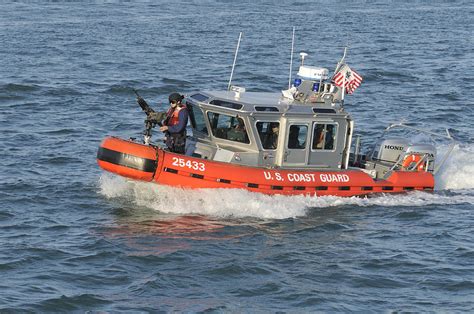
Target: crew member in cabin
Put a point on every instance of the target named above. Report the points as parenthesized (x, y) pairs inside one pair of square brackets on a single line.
[(293, 140), (271, 141), (174, 125), (318, 139), (274, 137), (237, 132)]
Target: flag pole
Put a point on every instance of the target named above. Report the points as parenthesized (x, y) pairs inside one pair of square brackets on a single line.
[(343, 86), (340, 62)]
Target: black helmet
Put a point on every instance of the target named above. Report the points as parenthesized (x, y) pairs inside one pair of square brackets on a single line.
[(175, 97)]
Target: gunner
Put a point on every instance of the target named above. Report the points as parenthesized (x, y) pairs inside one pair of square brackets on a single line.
[(174, 125)]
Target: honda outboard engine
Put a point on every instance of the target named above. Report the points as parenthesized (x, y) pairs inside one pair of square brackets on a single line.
[(392, 150)]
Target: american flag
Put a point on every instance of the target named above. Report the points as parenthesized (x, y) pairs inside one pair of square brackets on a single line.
[(353, 79)]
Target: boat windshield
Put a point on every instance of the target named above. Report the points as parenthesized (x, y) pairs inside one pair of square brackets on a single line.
[(197, 118)]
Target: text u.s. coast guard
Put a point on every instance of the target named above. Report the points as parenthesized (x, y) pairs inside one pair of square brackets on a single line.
[(306, 177)]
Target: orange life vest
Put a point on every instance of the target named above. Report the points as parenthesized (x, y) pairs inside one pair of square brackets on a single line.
[(174, 118)]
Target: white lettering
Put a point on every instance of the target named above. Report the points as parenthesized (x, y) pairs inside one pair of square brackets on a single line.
[(268, 175), (331, 177), (278, 176), (180, 162), (300, 177), (306, 177)]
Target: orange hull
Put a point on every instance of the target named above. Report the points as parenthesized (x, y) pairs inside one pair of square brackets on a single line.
[(149, 163)]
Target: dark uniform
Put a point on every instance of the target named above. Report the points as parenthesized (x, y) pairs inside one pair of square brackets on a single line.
[(176, 121)]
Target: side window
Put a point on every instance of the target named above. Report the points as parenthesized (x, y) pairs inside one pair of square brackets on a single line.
[(324, 136), (268, 134), (297, 136), (197, 118), (228, 127)]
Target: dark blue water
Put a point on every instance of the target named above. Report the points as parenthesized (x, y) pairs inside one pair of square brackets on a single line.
[(75, 239)]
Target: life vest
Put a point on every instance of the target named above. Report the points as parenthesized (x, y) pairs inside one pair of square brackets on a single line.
[(412, 160), (174, 118), (176, 142)]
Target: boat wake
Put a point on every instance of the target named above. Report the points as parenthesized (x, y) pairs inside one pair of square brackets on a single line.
[(458, 171), (455, 185)]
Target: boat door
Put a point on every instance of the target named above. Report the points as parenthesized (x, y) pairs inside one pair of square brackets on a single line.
[(327, 143), (295, 151)]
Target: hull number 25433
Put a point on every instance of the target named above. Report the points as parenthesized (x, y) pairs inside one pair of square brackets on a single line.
[(191, 164)]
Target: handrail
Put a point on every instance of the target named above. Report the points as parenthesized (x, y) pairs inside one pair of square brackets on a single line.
[(402, 125), (401, 158)]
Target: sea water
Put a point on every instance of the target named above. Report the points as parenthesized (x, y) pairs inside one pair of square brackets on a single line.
[(73, 238)]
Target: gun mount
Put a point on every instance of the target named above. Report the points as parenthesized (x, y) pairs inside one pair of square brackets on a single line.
[(153, 118)]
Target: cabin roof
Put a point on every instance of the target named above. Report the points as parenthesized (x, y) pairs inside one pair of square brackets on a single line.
[(251, 98), (258, 101)]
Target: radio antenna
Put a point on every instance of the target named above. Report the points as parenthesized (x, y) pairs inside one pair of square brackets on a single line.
[(291, 56), (235, 59)]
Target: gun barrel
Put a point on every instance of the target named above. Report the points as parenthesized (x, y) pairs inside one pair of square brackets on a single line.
[(143, 104)]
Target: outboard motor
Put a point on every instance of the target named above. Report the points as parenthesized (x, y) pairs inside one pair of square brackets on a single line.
[(419, 157), (390, 150)]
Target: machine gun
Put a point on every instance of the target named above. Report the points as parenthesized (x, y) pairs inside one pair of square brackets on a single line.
[(152, 117)]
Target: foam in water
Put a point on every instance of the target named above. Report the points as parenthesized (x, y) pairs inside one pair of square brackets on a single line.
[(458, 171), (213, 202), (457, 174)]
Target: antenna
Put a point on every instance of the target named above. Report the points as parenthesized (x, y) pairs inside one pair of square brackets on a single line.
[(235, 59), (291, 56)]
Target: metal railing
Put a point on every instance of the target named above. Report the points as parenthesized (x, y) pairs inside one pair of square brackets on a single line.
[(425, 156)]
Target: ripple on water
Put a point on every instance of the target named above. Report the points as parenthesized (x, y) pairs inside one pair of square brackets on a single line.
[(12, 87), (73, 302), (122, 89), (233, 270), (61, 160), (69, 243), (60, 131)]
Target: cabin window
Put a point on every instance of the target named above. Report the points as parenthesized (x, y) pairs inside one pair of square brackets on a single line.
[(197, 118), (268, 134), (323, 110), (226, 104), (297, 136), (324, 136), (228, 127), (263, 108), (200, 97)]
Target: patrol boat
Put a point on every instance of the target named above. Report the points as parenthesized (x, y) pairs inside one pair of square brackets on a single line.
[(294, 142)]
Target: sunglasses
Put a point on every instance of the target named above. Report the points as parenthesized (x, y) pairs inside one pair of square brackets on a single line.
[(173, 102)]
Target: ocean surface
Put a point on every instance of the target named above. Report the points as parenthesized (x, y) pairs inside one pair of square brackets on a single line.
[(74, 239)]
